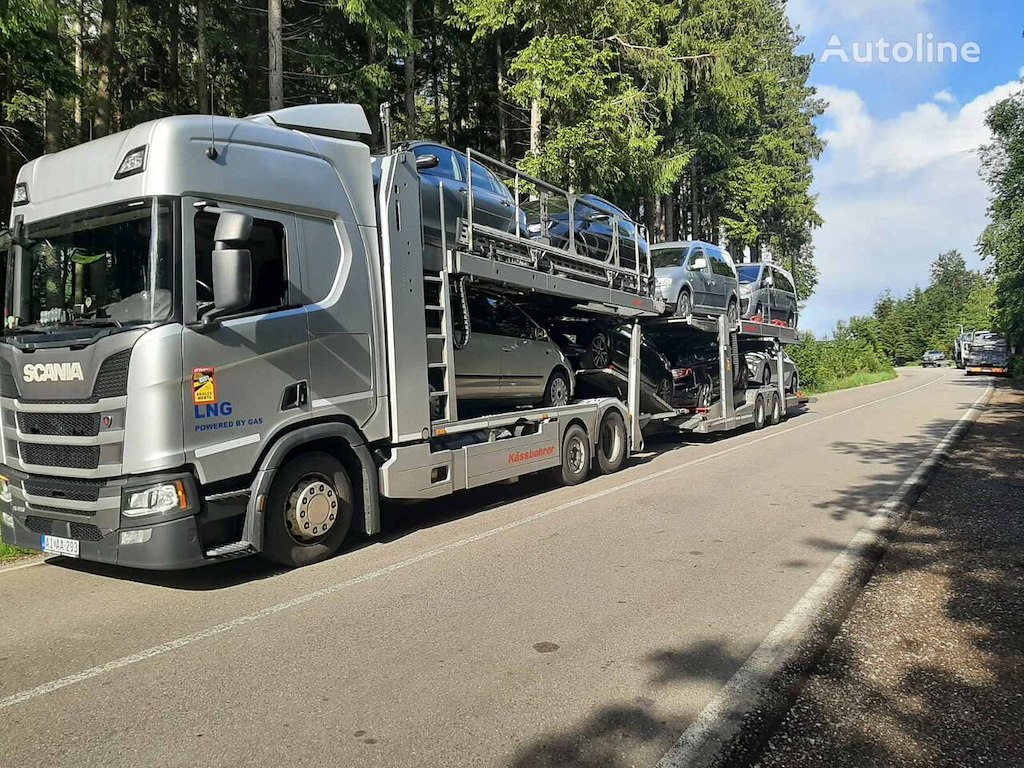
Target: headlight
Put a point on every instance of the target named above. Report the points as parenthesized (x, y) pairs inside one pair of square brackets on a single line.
[(534, 228), (156, 499), (744, 290), (663, 282), (5, 489)]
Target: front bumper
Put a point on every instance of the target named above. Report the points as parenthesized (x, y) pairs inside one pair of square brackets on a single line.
[(172, 541), (173, 545)]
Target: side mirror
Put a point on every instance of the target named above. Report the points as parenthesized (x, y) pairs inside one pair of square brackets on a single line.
[(232, 267), (232, 280), (699, 264), (427, 161)]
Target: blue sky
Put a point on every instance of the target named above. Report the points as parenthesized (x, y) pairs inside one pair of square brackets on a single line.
[(899, 181)]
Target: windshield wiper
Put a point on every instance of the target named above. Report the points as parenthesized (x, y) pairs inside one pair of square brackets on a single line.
[(96, 322)]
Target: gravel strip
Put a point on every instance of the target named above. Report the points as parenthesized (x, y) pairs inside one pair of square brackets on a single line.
[(928, 669)]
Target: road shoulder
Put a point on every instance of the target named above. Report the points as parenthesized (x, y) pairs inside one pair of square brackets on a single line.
[(928, 668)]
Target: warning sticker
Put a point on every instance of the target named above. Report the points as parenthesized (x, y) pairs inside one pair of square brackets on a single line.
[(204, 385)]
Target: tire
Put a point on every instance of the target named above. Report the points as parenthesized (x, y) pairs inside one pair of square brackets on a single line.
[(575, 457), (556, 393), (766, 376), (794, 383), (308, 489), (733, 313), (684, 304), (760, 415), (704, 395), (775, 416), (759, 312), (611, 443), (665, 389), (599, 351)]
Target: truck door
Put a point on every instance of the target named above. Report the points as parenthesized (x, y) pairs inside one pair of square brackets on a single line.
[(247, 374)]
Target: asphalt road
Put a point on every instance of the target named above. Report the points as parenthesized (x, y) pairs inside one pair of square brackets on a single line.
[(516, 626)]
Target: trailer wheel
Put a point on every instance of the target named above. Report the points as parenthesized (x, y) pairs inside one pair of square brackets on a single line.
[(766, 376), (611, 443), (575, 456), (309, 510), (733, 313), (760, 416), (665, 389), (776, 416), (599, 351)]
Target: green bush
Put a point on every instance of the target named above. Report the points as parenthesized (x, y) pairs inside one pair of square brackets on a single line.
[(823, 362), (1017, 367)]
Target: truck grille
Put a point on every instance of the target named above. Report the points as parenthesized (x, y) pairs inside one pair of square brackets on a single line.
[(85, 532), (111, 380), (60, 424), (39, 525), (68, 456), (65, 511), (80, 490), (8, 386)]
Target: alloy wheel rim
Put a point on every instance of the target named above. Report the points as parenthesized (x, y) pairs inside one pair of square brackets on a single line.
[(312, 509)]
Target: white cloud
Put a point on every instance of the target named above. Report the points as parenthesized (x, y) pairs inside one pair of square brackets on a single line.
[(859, 17), (945, 96), (894, 193)]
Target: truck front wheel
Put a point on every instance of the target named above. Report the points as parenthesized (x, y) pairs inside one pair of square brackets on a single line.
[(309, 510)]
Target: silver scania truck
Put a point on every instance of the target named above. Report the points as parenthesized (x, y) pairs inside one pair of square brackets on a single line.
[(223, 337)]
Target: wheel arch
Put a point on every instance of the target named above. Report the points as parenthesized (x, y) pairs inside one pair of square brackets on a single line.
[(336, 438)]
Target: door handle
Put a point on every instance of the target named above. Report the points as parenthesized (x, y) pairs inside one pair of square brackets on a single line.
[(508, 349), (295, 396)]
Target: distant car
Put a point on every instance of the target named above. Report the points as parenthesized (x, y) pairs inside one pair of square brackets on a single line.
[(493, 203), (595, 221), (767, 292), (933, 359), (594, 345), (508, 357), (696, 277), (762, 364)]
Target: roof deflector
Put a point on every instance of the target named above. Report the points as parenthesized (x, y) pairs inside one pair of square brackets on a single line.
[(340, 121)]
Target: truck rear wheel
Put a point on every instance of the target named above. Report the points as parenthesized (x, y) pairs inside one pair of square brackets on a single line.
[(575, 456), (611, 443), (760, 415), (776, 410), (309, 510)]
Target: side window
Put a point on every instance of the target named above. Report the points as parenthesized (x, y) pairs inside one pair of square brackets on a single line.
[(696, 253), (782, 282), (481, 313), (512, 321), (718, 265), (484, 179), (266, 244), (447, 161)]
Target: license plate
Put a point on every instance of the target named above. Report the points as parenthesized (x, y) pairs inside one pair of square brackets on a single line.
[(55, 545)]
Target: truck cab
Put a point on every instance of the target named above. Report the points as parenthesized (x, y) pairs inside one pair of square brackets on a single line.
[(179, 296)]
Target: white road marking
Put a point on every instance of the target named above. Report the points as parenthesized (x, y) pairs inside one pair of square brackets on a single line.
[(218, 629), (701, 740)]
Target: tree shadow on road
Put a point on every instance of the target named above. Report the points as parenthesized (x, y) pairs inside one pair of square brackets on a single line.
[(929, 667)]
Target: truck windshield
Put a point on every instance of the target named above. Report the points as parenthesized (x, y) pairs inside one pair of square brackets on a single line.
[(111, 265), (748, 273)]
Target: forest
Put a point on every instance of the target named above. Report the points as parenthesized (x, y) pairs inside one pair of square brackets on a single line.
[(695, 116)]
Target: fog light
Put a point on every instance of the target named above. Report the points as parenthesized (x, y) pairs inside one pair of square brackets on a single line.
[(7, 519), (140, 536)]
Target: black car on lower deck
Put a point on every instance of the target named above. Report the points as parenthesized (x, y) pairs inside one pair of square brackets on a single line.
[(593, 345), (695, 370)]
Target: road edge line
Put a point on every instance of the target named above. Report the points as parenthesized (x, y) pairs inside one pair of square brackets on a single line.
[(734, 726)]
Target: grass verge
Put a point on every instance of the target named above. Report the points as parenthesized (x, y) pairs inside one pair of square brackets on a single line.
[(853, 380), (8, 553)]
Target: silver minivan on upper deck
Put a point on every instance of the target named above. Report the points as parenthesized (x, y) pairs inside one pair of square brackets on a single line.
[(696, 277), (768, 292)]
